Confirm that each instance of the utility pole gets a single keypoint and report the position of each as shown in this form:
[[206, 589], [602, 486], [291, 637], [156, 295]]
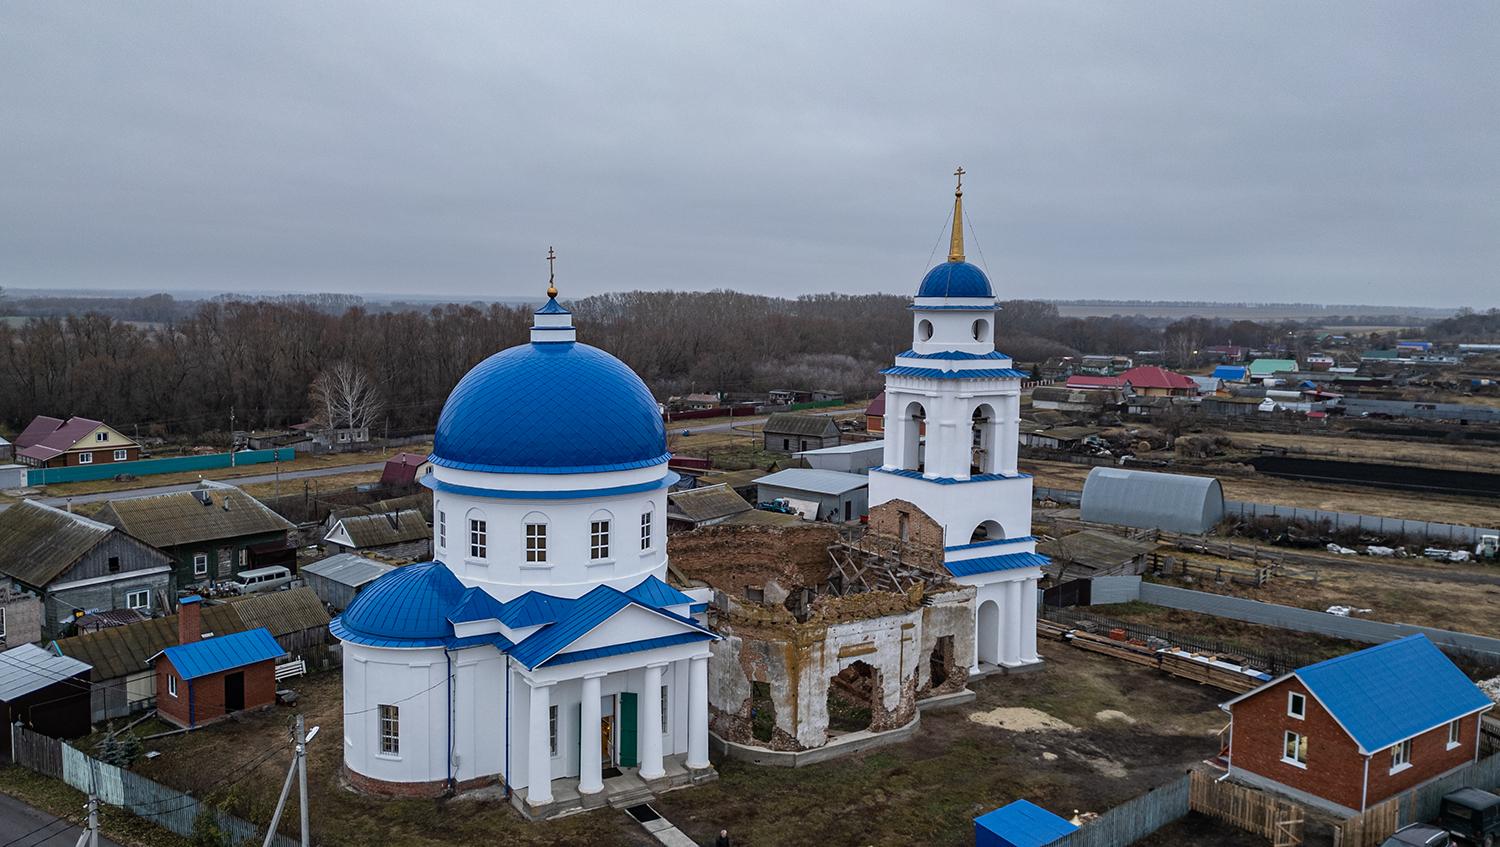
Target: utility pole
[[302, 780], [298, 769], [90, 836]]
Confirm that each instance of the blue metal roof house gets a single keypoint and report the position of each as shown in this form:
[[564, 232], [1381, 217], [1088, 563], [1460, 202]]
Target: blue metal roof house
[[1019, 824], [1349, 732], [207, 679]]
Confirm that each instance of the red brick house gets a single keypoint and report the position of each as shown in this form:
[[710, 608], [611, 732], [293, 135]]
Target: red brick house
[[54, 443], [203, 680], [1349, 732]]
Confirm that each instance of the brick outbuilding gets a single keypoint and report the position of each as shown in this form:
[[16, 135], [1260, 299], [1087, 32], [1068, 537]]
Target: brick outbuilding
[[203, 680], [1349, 732]]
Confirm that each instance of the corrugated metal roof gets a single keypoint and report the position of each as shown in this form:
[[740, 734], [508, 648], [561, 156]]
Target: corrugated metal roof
[[817, 481], [586, 613], [383, 530], [994, 564], [809, 425], [1174, 502], [223, 653], [181, 517], [283, 612], [933, 373], [654, 592], [1393, 691], [844, 449], [534, 609], [708, 502], [628, 647], [476, 605], [1266, 367], [38, 543], [348, 569], [1094, 549], [123, 650], [1022, 824], [46, 437], [29, 668], [1230, 372]]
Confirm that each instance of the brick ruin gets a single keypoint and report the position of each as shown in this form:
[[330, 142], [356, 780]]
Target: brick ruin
[[828, 631]]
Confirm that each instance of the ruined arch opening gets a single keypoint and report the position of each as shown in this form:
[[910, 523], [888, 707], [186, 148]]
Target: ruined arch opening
[[851, 698], [942, 662]]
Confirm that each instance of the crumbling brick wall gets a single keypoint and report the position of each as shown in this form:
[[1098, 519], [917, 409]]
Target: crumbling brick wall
[[921, 531], [730, 558]]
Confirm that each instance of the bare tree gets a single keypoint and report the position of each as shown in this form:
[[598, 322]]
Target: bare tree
[[344, 397]]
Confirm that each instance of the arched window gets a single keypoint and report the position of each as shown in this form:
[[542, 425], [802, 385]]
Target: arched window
[[987, 531], [981, 330], [600, 525], [479, 535], [985, 429], [913, 418], [648, 535], [924, 330], [534, 532]]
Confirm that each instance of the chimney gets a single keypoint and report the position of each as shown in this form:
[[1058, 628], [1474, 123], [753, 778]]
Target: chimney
[[189, 624]]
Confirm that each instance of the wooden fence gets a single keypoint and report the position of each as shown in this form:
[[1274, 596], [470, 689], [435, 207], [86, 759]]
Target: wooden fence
[[1134, 819], [1249, 809], [1370, 827], [1419, 804]]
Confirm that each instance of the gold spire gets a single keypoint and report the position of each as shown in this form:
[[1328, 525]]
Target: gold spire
[[956, 246], [551, 276]]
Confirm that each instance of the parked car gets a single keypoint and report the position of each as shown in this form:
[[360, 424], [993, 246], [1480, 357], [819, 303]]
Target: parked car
[[272, 578], [1472, 815], [1418, 835]]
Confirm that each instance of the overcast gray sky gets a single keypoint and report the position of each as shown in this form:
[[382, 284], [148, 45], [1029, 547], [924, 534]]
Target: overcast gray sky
[[1325, 152]]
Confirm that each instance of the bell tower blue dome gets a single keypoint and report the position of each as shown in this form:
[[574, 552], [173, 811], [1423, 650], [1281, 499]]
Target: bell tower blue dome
[[955, 279], [552, 406]]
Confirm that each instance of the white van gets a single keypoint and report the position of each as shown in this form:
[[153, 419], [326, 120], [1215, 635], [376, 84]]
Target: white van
[[273, 578]]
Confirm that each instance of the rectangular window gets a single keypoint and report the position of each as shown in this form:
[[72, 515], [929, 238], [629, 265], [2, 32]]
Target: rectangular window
[[1294, 749], [479, 536], [1454, 732], [1401, 756], [599, 540], [114, 564], [443, 530], [786, 444], [390, 730], [200, 564], [85, 458], [122, 455], [536, 542], [645, 530], [1296, 705], [552, 728], [138, 600], [172, 684], [664, 721], [101, 436]]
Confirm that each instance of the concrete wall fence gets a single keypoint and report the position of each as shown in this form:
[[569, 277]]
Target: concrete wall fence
[[148, 467], [1457, 534], [166, 807]]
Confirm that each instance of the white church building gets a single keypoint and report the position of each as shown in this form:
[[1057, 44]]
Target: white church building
[[952, 431], [542, 648]]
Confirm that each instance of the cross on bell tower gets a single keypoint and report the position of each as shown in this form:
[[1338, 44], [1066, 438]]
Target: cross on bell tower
[[551, 272]]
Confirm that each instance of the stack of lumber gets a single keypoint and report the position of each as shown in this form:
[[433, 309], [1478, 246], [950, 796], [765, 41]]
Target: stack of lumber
[[1138, 653], [1211, 670], [1054, 631]]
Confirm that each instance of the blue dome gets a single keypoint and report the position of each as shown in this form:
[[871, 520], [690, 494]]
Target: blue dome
[[550, 408], [955, 279], [405, 607]]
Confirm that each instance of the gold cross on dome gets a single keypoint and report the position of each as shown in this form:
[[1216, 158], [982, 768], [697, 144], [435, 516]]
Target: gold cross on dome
[[960, 174], [551, 275]]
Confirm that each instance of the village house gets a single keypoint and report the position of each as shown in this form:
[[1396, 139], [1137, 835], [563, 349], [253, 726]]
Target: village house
[[53, 443], [327, 439], [1349, 732], [1091, 382], [295, 617], [77, 565], [401, 535], [1152, 381], [818, 495], [788, 433], [44, 692], [404, 470], [20, 617], [339, 578], [705, 506], [211, 533], [875, 415], [202, 680]]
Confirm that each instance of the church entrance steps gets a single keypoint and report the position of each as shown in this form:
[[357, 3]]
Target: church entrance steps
[[620, 792]]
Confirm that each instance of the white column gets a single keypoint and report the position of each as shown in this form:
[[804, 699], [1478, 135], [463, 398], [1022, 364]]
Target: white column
[[697, 756], [1010, 434], [1028, 621], [539, 747], [1010, 625], [590, 749], [650, 728]]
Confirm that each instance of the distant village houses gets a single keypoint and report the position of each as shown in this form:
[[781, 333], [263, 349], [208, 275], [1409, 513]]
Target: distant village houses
[[53, 443]]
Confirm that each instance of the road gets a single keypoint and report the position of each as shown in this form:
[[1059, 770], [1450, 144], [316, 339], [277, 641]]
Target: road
[[17, 819]]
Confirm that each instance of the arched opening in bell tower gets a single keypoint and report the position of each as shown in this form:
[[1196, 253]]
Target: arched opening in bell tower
[[913, 418], [986, 444], [987, 531]]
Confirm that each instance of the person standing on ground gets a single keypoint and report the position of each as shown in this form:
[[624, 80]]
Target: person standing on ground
[[723, 839]]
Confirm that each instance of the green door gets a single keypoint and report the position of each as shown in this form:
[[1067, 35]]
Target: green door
[[628, 758]]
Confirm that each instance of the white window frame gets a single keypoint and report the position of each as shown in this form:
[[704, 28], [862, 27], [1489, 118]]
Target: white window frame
[[122, 455], [648, 530], [1299, 745], [554, 729], [86, 458], [144, 594], [172, 684], [101, 436], [479, 537], [442, 529], [1296, 705], [388, 728], [1401, 756], [600, 527], [1455, 728], [200, 564], [534, 539]]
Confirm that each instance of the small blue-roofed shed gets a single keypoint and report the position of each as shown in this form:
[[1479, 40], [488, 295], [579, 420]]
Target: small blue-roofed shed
[[1019, 824], [207, 680]]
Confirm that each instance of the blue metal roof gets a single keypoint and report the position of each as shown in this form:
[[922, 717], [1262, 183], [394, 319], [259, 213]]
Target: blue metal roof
[[406, 607], [587, 612], [535, 609], [951, 355], [226, 652], [550, 408], [955, 279], [934, 373], [994, 564], [1390, 692], [1229, 372], [552, 307], [476, 605], [948, 480], [666, 480], [1019, 824], [654, 592], [991, 543], [629, 647]]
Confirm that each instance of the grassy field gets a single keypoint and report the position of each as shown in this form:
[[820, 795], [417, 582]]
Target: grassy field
[[1128, 728], [1422, 454]]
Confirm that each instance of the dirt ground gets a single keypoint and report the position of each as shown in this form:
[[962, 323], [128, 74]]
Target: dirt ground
[[1201, 830], [1312, 495], [1127, 728], [1425, 454]]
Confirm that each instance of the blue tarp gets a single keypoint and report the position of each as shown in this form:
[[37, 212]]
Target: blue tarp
[[1019, 824]]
